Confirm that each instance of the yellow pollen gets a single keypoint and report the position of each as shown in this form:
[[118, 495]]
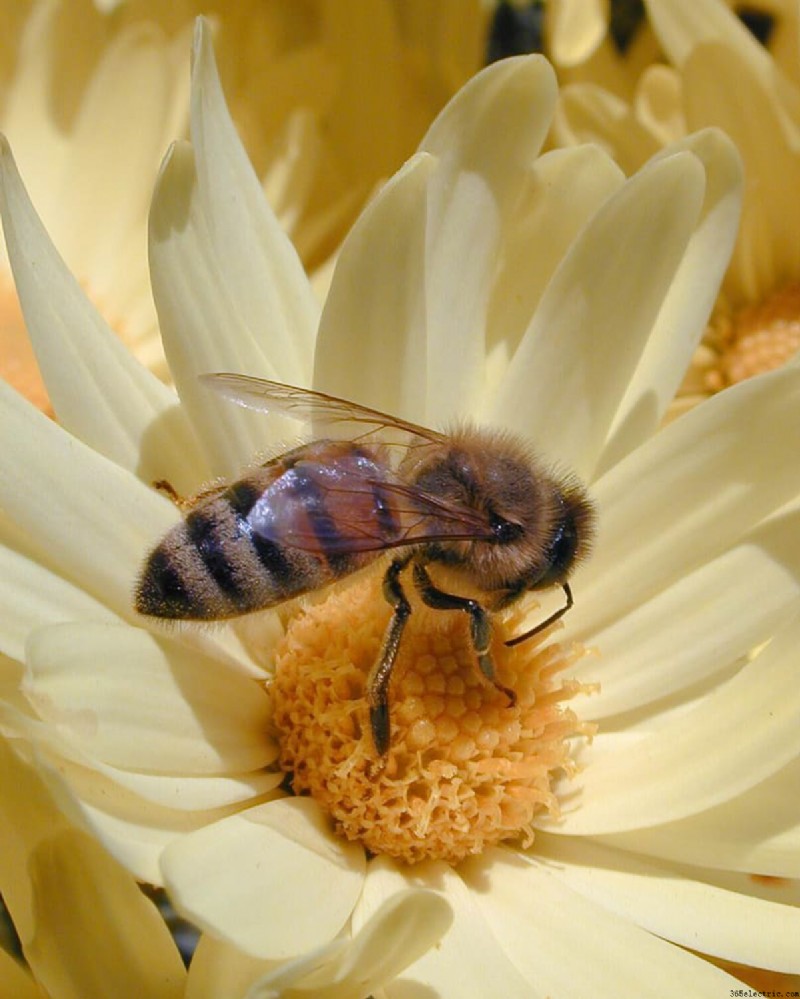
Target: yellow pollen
[[756, 339], [464, 769]]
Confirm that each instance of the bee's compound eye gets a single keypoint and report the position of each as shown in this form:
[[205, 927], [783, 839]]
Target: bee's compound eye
[[506, 531], [560, 556]]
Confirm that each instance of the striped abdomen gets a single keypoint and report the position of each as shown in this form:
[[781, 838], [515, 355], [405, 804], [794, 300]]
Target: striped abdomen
[[267, 538]]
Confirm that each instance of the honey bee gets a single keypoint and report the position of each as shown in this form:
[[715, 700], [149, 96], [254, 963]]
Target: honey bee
[[475, 502]]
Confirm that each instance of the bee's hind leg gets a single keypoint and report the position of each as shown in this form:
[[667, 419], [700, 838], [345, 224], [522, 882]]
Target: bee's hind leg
[[480, 626], [381, 674]]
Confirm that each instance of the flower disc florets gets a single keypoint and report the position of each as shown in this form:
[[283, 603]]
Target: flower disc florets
[[464, 769]]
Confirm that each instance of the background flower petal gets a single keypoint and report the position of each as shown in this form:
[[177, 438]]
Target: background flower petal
[[276, 880]]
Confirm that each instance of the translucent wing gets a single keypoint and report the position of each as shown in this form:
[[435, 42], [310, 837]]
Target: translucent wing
[[327, 415], [351, 502]]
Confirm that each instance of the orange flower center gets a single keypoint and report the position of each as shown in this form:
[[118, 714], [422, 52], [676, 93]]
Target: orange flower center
[[464, 769], [17, 360], [756, 339]]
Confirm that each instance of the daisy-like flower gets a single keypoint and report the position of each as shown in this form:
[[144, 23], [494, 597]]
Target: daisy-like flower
[[546, 294], [721, 77], [86, 930]]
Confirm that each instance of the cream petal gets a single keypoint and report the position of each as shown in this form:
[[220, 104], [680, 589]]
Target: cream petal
[[404, 927], [587, 113], [677, 907], [28, 815], [133, 830], [689, 299], [704, 621], [177, 793], [755, 832], [372, 332], [95, 932], [202, 327], [219, 969], [15, 981], [564, 189], [469, 962], [688, 494], [257, 261], [721, 90], [93, 519], [119, 137], [570, 947], [32, 596], [682, 24], [484, 140], [726, 742], [276, 882], [99, 392], [593, 321], [142, 703], [577, 27]]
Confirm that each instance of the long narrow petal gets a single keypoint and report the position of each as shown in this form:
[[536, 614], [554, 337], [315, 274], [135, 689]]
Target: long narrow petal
[[592, 324], [99, 391], [31, 595], [484, 140], [95, 933], [275, 860], [572, 948], [755, 832], [564, 188], [259, 265], [147, 704], [720, 90], [688, 301], [469, 961], [77, 504], [201, 324], [15, 981], [726, 742], [28, 815], [406, 926], [723, 468], [700, 624], [688, 912], [372, 332]]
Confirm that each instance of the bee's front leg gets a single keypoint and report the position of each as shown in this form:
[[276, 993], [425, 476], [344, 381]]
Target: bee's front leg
[[381, 674], [480, 625]]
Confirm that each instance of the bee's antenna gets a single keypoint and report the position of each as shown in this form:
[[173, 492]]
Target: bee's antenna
[[547, 621]]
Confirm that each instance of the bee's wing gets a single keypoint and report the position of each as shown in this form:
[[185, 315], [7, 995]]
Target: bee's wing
[[354, 504], [327, 415]]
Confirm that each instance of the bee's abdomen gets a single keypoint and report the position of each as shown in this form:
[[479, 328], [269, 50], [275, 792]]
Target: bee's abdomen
[[213, 566]]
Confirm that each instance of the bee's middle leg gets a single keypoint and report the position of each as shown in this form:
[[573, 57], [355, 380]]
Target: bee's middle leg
[[480, 625], [381, 674]]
